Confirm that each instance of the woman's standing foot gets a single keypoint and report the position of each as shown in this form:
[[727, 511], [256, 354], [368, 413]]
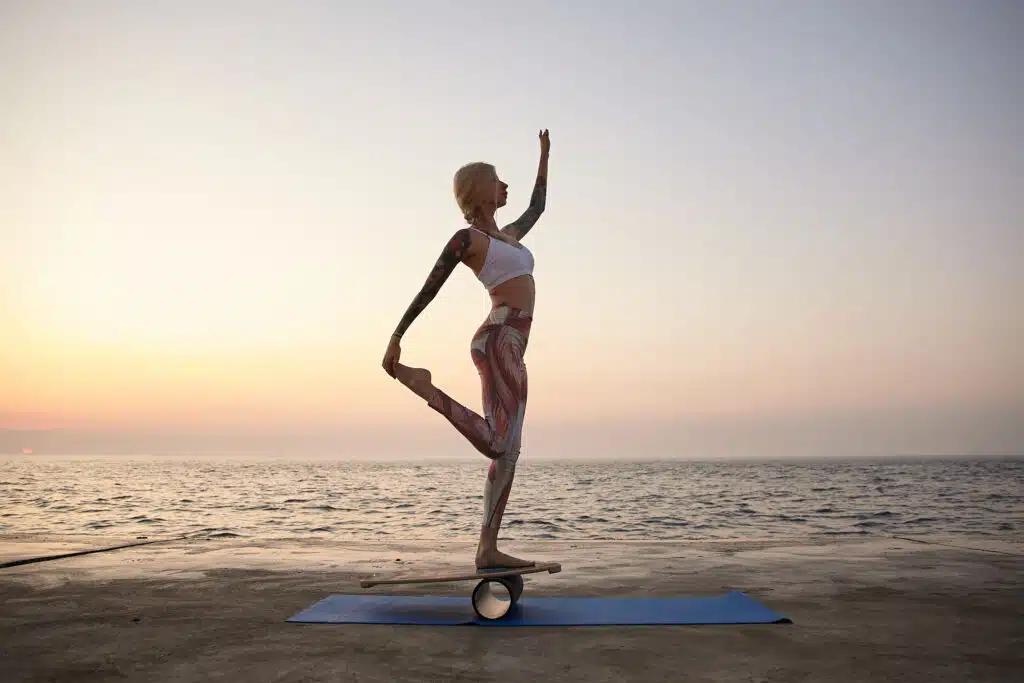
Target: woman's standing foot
[[495, 559]]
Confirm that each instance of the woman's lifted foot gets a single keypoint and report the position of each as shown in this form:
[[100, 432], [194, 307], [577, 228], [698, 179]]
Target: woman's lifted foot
[[495, 559], [417, 379]]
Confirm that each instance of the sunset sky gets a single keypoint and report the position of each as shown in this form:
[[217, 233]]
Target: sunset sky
[[772, 228]]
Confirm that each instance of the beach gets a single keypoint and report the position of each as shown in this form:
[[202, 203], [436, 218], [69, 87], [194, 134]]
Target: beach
[[862, 609]]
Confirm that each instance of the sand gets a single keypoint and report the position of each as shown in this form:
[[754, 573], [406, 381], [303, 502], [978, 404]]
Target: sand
[[871, 609]]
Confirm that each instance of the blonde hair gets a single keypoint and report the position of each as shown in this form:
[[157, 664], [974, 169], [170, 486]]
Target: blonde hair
[[466, 185], [467, 188]]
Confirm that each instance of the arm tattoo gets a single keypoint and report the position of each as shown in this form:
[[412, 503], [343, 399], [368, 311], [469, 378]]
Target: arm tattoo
[[520, 226], [450, 257]]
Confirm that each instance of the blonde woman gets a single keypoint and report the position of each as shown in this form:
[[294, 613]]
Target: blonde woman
[[505, 267]]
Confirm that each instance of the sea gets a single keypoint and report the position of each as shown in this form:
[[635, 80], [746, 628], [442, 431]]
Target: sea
[[260, 498]]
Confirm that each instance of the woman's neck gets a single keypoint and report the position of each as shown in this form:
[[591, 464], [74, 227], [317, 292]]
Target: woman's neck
[[486, 224]]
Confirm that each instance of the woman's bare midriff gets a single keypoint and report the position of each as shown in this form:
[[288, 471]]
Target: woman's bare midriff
[[515, 293]]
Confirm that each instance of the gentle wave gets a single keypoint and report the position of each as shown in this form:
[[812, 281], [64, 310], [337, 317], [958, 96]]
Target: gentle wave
[[550, 500]]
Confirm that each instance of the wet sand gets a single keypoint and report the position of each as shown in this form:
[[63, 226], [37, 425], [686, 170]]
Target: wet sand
[[870, 609]]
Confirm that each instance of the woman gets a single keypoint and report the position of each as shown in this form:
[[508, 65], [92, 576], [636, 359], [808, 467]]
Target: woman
[[505, 267]]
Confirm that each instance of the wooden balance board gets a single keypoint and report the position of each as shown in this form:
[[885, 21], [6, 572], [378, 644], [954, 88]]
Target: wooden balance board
[[495, 595]]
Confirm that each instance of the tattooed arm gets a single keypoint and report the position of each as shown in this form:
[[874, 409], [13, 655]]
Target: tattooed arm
[[450, 257], [538, 200]]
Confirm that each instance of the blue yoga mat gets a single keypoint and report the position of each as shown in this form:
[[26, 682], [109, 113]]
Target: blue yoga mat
[[732, 608]]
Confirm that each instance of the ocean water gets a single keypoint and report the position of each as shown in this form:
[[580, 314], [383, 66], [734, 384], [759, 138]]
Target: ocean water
[[266, 499]]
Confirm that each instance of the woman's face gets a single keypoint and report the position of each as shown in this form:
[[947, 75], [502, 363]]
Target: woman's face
[[493, 189]]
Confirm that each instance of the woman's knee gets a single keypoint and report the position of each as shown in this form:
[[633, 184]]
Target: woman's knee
[[504, 449], [502, 469]]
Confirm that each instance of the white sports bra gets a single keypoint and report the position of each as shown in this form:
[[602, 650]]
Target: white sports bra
[[504, 261]]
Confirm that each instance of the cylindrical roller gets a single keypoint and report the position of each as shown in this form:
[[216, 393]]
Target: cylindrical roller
[[492, 599], [515, 586]]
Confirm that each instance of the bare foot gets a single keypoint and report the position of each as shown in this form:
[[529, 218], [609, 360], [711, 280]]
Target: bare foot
[[495, 559], [417, 379]]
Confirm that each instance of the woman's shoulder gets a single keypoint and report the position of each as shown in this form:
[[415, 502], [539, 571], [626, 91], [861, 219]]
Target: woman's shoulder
[[465, 241]]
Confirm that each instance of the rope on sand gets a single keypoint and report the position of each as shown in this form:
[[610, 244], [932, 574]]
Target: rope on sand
[[47, 558], [949, 545]]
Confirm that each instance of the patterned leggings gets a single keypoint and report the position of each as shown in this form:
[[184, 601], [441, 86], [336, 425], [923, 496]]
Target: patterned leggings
[[497, 348]]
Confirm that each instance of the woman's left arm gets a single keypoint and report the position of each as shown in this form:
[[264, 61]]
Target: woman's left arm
[[538, 200]]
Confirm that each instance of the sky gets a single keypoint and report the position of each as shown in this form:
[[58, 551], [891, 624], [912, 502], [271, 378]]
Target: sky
[[773, 229]]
